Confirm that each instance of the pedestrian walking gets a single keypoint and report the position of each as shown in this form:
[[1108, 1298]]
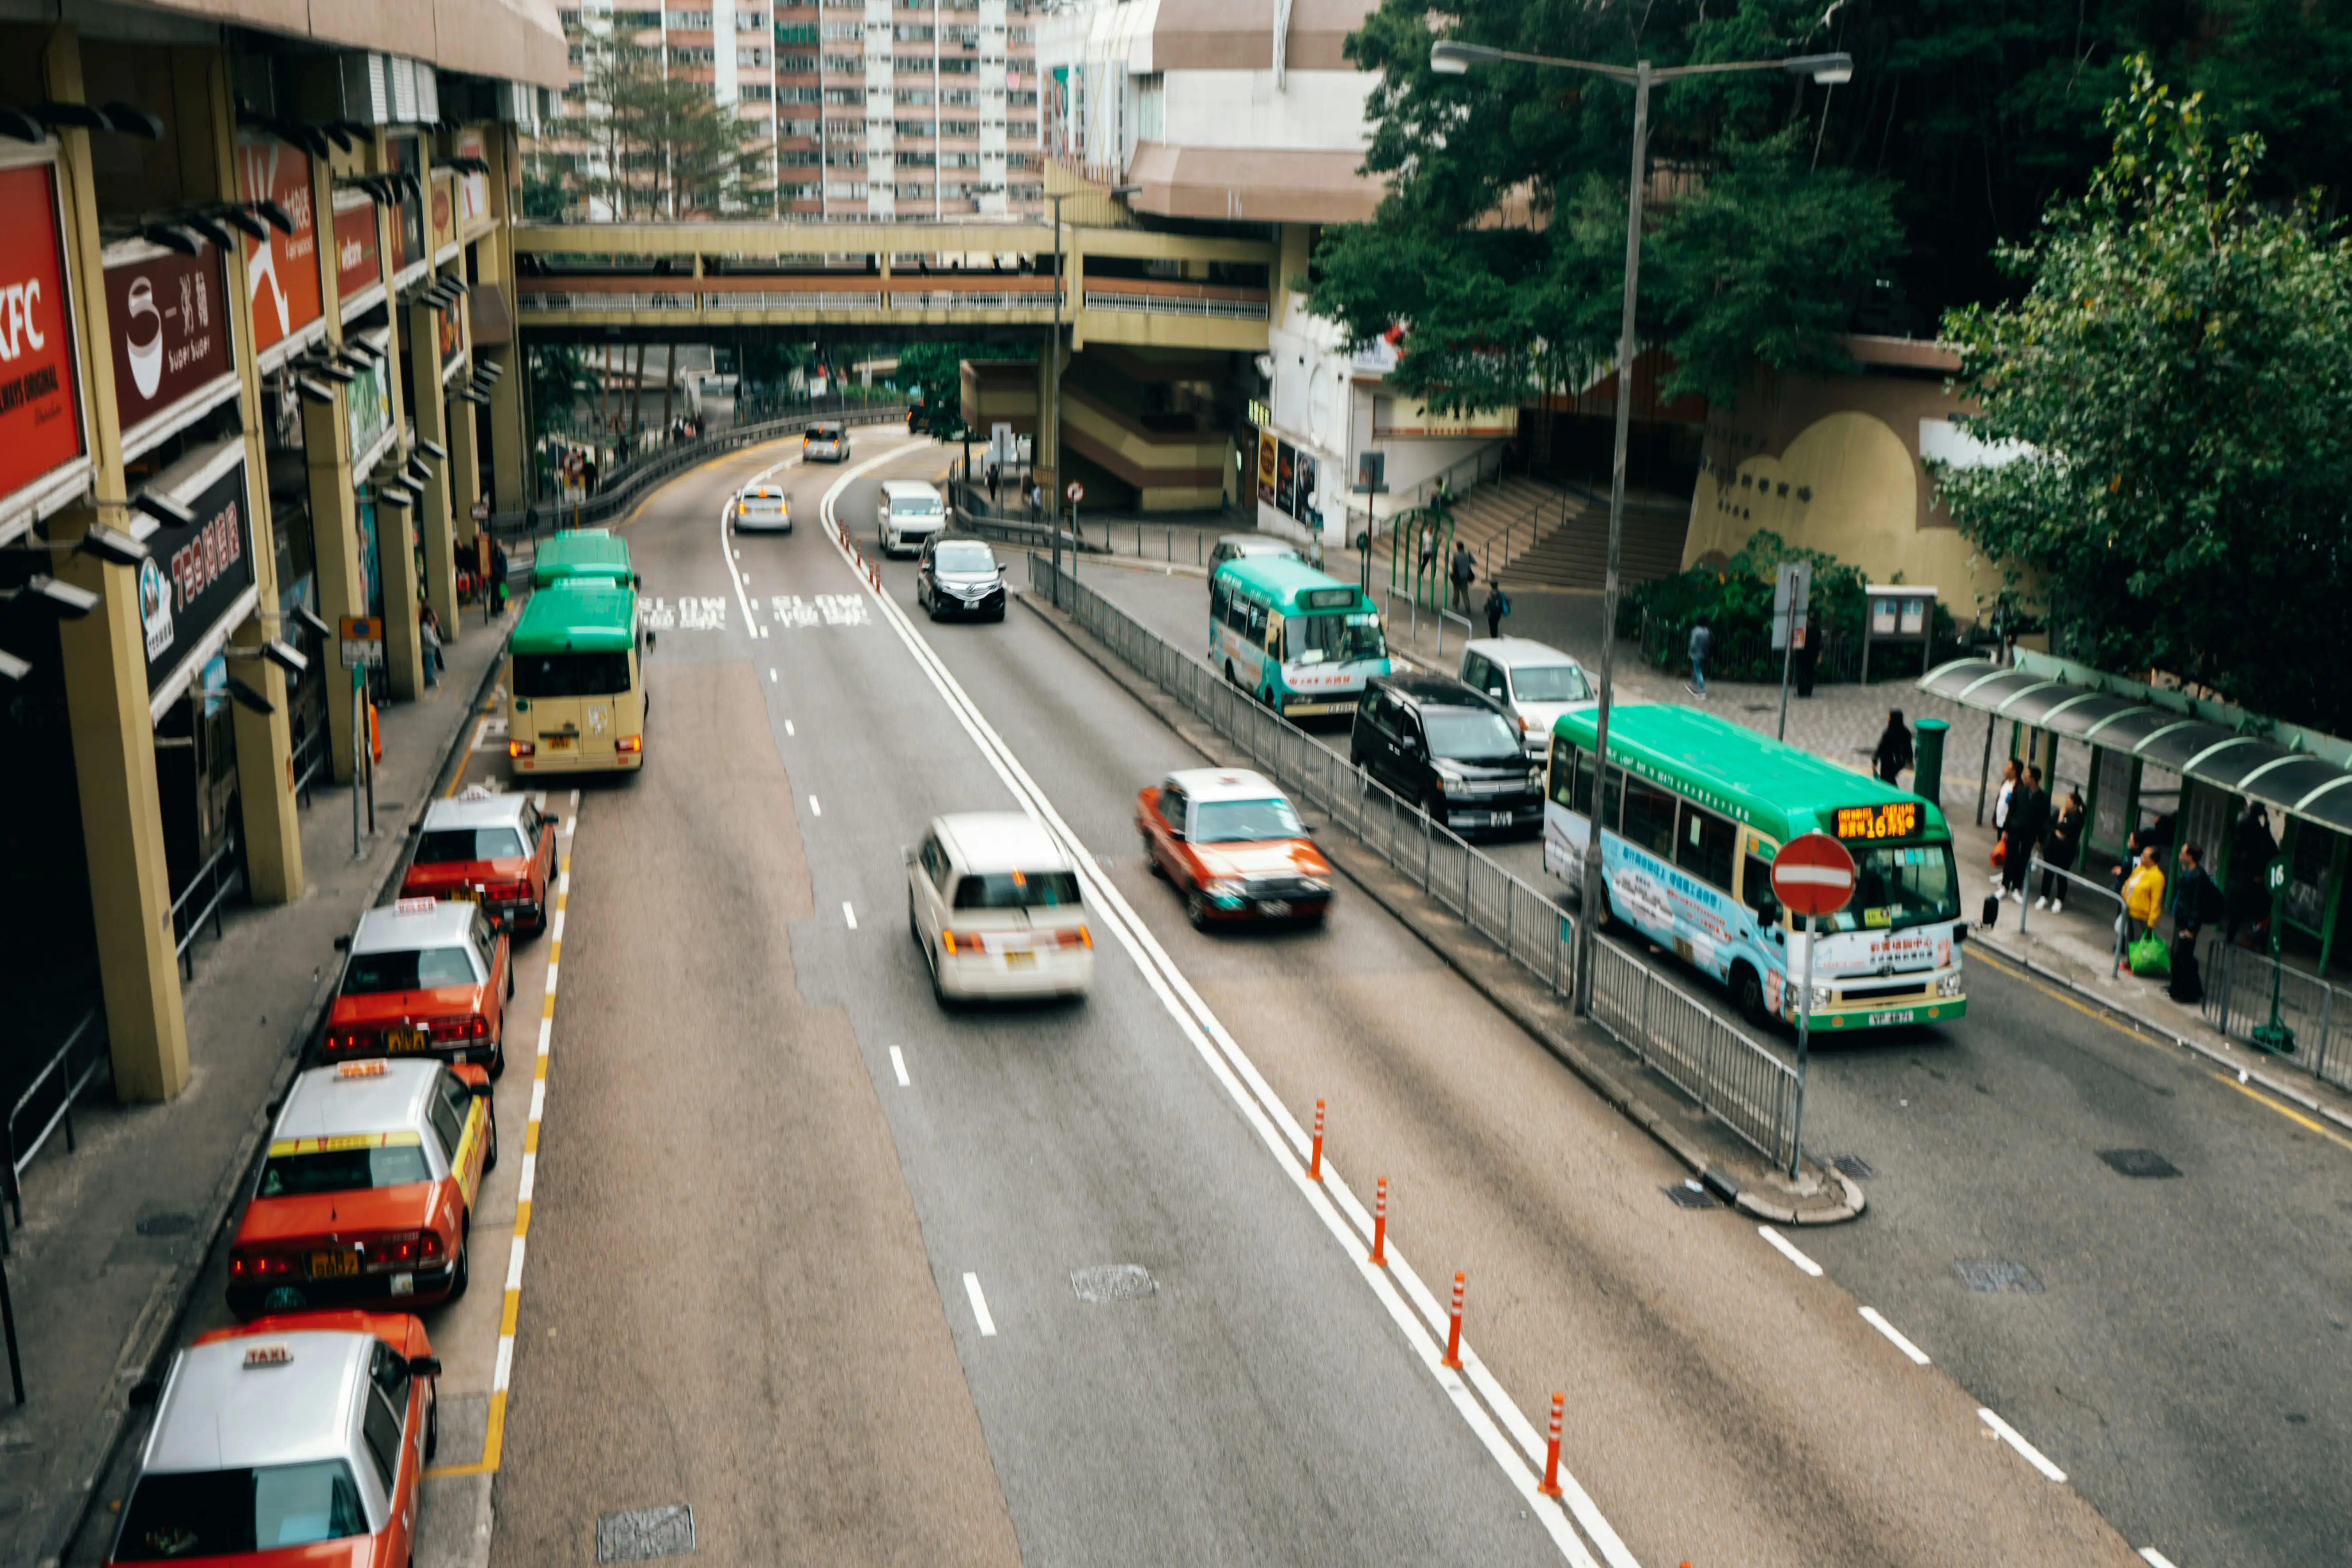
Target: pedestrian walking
[[1465, 571], [2059, 851], [498, 575], [1428, 551], [2252, 848], [993, 476], [1498, 604], [2143, 896], [2009, 777], [2193, 903], [428, 632], [1893, 754], [1702, 641], [1808, 659], [2029, 815]]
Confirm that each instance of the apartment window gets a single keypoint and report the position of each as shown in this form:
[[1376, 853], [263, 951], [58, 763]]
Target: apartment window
[[846, 65], [959, 97], [852, 188], [690, 21], [799, 95], [570, 20], [790, 63], [950, 65], [1022, 99], [753, 91], [959, 127], [577, 55], [910, 33], [960, 33], [845, 32], [959, 160], [914, 159], [917, 96], [750, 21], [751, 56], [1025, 35], [794, 127], [797, 33], [1028, 192], [845, 158], [1150, 106], [636, 18], [843, 96], [1024, 129], [845, 128], [691, 55]]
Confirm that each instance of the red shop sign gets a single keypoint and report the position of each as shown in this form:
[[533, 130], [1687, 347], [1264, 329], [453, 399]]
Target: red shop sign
[[40, 390], [168, 318], [356, 264], [281, 272]]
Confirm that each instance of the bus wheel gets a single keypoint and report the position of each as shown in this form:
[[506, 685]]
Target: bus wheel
[[1747, 995]]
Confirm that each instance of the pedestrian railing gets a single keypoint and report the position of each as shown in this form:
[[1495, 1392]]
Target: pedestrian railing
[[46, 1102], [2037, 869], [201, 899], [2239, 990], [310, 756], [1750, 1089]]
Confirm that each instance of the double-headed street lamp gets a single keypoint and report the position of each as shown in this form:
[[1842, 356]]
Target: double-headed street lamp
[[1456, 59]]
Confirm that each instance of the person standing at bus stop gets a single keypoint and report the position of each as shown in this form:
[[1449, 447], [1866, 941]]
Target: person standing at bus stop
[[1702, 642], [2193, 898], [1893, 754]]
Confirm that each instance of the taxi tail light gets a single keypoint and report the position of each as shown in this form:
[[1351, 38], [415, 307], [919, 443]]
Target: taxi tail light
[[962, 941], [1079, 936], [521, 749], [630, 744], [243, 1264], [404, 1251], [474, 1029]]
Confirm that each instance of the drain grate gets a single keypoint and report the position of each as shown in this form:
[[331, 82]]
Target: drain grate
[[1994, 1275], [1110, 1283], [1854, 1165], [166, 1225], [2144, 1163], [644, 1532], [1690, 1195]]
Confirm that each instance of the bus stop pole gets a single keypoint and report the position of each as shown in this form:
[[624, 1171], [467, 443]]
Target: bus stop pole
[[1804, 1033]]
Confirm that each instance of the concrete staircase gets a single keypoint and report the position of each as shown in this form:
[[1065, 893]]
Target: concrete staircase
[[1497, 519], [1574, 552]]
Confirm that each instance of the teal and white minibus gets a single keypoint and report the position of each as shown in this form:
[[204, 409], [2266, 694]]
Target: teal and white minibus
[[1300, 642], [1695, 810]]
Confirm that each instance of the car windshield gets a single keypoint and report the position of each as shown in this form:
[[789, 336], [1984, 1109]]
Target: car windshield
[[826, 433], [963, 556], [443, 845], [344, 1170], [1244, 821], [1900, 885], [218, 1513], [1334, 638], [1470, 735], [1018, 890], [915, 506], [570, 674], [1550, 683], [420, 969]]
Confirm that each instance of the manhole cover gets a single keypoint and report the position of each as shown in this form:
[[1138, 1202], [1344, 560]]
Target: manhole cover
[[1854, 1165], [1112, 1282], [1996, 1274], [1690, 1195], [643, 1533], [166, 1225], [2146, 1164]]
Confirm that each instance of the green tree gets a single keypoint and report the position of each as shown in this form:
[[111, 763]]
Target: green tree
[[2179, 372], [657, 145]]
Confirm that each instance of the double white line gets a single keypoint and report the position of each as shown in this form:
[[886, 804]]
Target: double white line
[[1398, 1289]]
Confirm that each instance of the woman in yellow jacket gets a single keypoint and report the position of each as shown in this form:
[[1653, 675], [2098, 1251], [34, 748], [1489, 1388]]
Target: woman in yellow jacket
[[2143, 896]]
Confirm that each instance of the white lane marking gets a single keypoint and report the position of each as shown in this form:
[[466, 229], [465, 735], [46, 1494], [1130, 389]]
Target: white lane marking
[[550, 977], [1781, 1244], [1895, 1336], [814, 808], [529, 1176], [848, 914], [546, 1030], [1273, 1121], [898, 1066], [537, 1098], [980, 1307], [2009, 1435], [575, 800], [728, 552], [563, 882], [771, 675], [514, 1266], [505, 1368], [788, 727], [555, 926], [2154, 1558]]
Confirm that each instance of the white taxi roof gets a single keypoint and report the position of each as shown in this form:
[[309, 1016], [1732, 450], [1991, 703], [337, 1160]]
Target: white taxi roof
[[999, 841], [910, 489], [219, 1413], [1224, 784], [1518, 653], [476, 811], [409, 927], [358, 1098]]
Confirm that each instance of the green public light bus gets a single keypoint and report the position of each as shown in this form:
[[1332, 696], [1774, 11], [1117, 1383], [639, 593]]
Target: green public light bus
[[575, 681], [1696, 808], [1300, 642], [581, 555]]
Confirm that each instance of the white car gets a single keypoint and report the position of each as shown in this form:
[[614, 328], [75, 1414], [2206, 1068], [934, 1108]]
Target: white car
[[995, 907], [1235, 546], [909, 515], [1535, 681], [825, 443], [762, 508]]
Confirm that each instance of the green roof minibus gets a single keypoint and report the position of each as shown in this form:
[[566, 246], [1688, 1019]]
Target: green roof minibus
[[587, 555], [1300, 642], [1695, 810], [575, 681]]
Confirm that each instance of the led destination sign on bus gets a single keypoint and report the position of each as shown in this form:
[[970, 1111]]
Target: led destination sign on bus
[[1896, 819]]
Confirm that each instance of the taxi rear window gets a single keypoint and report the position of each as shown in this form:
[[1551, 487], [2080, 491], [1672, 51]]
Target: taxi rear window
[[419, 970], [440, 845], [344, 1171], [215, 1513], [1017, 890]]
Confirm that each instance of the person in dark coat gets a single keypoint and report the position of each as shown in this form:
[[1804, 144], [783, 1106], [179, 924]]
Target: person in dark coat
[[1465, 571], [2193, 897], [2029, 817], [1498, 604], [1893, 754], [2059, 849], [2252, 848]]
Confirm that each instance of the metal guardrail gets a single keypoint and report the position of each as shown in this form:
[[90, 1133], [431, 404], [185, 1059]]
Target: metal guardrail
[[202, 898], [309, 758], [2038, 872], [1176, 305], [46, 1103], [1750, 1090], [2238, 1001]]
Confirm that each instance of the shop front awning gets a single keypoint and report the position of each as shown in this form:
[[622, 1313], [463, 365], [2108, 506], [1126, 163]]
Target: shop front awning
[[2293, 781]]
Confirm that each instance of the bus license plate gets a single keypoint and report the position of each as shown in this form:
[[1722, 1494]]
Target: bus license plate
[[334, 1265], [1020, 958], [1904, 1017], [409, 1040], [558, 742], [1274, 908]]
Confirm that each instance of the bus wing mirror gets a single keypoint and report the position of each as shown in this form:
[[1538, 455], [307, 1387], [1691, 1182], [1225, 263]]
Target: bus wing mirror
[[342, 944]]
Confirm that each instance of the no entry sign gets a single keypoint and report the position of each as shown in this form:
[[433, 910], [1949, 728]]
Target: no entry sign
[[1812, 874]]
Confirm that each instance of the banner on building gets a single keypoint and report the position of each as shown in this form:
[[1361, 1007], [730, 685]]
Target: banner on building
[[472, 190], [357, 266], [451, 323], [442, 210], [1291, 491], [196, 578], [1269, 448], [367, 409], [281, 271], [40, 383], [167, 315]]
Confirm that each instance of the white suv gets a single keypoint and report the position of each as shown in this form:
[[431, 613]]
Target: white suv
[[994, 905], [1535, 681], [908, 514]]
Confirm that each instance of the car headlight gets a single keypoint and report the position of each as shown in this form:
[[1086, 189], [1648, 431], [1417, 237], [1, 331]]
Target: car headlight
[[1949, 983], [1821, 998], [1535, 778], [1313, 885], [1226, 890]]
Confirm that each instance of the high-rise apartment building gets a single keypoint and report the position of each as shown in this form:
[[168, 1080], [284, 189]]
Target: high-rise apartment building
[[870, 108]]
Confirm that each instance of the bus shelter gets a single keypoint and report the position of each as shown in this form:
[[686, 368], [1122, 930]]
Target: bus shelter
[[2224, 757]]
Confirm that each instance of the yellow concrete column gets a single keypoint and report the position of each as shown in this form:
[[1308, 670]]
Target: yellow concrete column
[[510, 454], [395, 526], [335, 532], [105, 675], [432, 520]]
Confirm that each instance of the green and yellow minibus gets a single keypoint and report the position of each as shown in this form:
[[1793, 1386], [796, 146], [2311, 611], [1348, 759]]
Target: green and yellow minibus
[[581, 555], [1300, 642], [1694, 809], [575, 681]]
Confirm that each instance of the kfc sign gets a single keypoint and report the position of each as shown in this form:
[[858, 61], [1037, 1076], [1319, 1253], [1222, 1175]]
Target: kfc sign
[[40, 390], [281, 271], [195, 576]]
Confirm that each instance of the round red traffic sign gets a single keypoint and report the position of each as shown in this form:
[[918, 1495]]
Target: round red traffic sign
[[1812, 874], [1076, 492]]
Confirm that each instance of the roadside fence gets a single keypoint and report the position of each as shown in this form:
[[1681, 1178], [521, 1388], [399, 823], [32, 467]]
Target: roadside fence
[[2238, 983], [2038, 870], [44, 1104], [1750, 1089]]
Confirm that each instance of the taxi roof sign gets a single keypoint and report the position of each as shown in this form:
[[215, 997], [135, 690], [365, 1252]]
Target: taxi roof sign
[[416, 906], [272, 1354], [373, 1068]]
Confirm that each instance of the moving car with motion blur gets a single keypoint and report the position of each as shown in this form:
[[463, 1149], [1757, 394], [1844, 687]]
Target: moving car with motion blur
[[908, 514], [960, 577], [1449, 749], [495, 850], [1233, 845], [423, 977], [1237, 546], [762, 508], [827, 441], [994, 905], [366, 1195], [1535, 682], [288, 1441]]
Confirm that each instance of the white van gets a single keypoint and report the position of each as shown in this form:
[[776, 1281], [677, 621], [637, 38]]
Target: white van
[[994, 905], [908, 514], [1536, 682]]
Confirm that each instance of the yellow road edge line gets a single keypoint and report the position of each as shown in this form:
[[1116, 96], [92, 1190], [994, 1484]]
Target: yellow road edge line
[[2297, 1117], [465, 758]]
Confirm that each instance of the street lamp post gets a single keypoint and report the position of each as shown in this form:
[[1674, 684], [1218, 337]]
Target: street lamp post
[[1456, 59]]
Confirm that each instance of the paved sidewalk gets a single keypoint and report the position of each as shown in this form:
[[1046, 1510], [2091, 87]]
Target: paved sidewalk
[[117, 1231]]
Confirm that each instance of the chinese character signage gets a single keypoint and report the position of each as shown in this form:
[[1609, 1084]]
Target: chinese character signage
[[195, 576], [40, 386], [441, 200], [281, 271], [357, 266], [166, 315]]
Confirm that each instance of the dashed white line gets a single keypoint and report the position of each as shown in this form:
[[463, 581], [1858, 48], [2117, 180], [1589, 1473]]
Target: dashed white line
[[1781, 1244], [2009, 1435], [788, 728], [1893, 1336], [2154, 1558], [514, 1266], [814, 808], [980, 1307], [546, 1030], [537, 1098], [848, 914], [898, 1066], [555, 926], [529, 1179], [771, 675]]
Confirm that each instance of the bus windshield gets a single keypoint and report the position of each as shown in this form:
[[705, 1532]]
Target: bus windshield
[[1900, 885], [1334, 638]]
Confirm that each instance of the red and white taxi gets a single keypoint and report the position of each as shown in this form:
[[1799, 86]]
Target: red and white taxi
[[423, 977], [497, 850], [367, 1190], [1232, 845], [289, 1443]]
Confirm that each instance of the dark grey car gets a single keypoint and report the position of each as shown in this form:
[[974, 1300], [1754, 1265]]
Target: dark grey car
[[959, 576], [1449, 748]]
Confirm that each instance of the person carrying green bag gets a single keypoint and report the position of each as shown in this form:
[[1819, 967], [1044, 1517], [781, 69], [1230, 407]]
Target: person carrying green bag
[[2143, 904]]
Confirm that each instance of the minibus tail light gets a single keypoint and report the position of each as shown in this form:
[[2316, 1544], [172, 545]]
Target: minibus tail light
[[520, 748], [630, 745]]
